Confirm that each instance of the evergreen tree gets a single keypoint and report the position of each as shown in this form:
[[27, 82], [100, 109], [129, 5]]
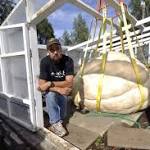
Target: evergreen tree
[[5, 8], [44, 31], [66, 38], [136, 9], [80, 30]]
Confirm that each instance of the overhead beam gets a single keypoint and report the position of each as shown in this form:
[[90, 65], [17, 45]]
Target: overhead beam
[[46, 10], [143, 21]]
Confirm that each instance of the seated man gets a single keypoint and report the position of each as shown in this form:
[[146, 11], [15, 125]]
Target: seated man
[[56, 79]]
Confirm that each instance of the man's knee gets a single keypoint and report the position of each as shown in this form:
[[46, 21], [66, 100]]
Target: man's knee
[[51, 97], [51, 94]]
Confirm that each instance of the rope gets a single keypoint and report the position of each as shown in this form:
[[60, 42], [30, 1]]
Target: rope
[[116, 116]]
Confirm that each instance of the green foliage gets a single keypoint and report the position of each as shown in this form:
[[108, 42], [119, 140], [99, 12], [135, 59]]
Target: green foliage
[[66, 38], [44, 31], [136, 9], [5, 8], [80, 30]]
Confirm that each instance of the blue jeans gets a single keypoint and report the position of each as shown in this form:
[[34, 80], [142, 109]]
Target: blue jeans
[[57, 106]]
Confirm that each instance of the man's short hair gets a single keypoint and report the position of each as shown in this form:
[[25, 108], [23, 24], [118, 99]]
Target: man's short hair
[[52, 41]]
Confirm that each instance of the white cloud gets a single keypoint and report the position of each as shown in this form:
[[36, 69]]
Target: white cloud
[[62, 19], [62, 16]]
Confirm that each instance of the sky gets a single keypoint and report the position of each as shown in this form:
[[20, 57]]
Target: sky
[[62, 18]]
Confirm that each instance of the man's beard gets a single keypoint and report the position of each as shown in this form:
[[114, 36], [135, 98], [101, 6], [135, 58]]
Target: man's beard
[[57, 58]]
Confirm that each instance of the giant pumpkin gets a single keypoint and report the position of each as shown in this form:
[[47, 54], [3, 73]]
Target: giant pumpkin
[[120, 91]]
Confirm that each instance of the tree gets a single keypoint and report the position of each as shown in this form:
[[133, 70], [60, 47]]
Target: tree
[[44, 31], [5, 8], [66, 38], [80, 30], [136, 9]]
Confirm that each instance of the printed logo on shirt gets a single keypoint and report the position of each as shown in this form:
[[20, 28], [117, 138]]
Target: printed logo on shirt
[[59, 74]]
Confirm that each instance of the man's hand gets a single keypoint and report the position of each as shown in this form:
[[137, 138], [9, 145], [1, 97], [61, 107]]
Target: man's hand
[[67, 83], [63, 91], [43, 85]]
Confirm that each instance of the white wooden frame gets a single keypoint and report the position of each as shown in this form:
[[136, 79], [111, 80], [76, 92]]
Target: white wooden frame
[[26, 53]]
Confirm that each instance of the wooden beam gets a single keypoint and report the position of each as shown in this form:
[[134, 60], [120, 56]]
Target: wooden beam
[[46, 10], [49, 138], [33, 46], [141, 22]]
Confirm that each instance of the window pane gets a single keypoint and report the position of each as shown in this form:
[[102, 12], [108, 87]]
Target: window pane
[[15, 73], [19, 110], [12, 40], [3, 103], [0, 81]]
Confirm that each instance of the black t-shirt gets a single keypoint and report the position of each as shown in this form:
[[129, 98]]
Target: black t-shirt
[[51, 71]]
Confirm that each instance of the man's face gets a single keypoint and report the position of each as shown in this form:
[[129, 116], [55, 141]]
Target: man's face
[[55, 52]]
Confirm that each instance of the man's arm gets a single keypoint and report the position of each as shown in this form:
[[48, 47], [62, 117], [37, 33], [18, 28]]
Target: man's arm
[[62, 87], [43, 85], [62, 84]]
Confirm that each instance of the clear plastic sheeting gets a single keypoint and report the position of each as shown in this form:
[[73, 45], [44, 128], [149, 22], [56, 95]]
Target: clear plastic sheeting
[[3, 103], [15, 74], [142, 53], [19, 110], [13, 40], [42, 53], [0, 43], [18, 16], [39, 4], [77, 56], [0, 81]]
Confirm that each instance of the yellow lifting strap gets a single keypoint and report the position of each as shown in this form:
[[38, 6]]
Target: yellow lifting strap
[[100, 82], [133, 60], [103, 63]]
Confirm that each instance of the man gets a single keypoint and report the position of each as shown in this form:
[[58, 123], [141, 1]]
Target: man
[[56, 79]]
